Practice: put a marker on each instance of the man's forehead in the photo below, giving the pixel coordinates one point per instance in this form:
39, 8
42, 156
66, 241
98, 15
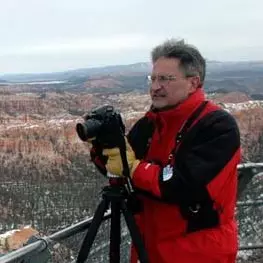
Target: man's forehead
166, 65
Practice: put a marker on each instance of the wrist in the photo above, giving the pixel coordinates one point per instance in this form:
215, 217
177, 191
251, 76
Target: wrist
134, 166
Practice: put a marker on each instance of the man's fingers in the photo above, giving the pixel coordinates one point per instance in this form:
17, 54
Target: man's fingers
111, 152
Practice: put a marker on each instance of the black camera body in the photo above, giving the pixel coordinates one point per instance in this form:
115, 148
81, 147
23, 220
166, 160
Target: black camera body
103, 124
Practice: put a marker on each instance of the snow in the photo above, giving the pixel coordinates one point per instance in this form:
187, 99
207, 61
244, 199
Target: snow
251, 104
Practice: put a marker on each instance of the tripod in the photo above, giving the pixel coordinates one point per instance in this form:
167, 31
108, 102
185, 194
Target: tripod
117, 196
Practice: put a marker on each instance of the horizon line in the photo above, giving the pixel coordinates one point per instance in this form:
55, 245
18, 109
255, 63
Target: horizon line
117, 65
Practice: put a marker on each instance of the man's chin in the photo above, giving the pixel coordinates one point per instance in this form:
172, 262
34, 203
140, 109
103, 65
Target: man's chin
160, 106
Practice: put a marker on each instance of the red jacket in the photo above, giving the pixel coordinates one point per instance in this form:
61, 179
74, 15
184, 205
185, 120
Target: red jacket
203, 178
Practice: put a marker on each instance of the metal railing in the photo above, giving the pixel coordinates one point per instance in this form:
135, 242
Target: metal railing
42, 244
37, 251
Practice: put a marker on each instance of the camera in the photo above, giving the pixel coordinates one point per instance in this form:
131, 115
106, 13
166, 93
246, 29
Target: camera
103, 124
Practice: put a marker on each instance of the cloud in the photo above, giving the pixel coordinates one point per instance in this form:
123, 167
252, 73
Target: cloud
53, 34
99, 44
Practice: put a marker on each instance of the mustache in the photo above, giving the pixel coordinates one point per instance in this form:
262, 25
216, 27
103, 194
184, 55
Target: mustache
158, 94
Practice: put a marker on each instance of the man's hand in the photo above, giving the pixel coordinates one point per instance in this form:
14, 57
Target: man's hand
114, 162
96, 156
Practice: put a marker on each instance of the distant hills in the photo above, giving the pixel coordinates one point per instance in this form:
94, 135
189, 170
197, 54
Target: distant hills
79, 73
221, 76
213, 67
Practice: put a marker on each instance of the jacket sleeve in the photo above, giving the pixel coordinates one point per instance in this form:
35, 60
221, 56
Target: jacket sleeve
139, 136
206, 149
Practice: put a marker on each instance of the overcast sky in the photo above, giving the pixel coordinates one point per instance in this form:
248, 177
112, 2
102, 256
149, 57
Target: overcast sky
56, 35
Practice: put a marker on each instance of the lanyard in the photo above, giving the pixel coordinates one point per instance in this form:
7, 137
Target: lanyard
184, 129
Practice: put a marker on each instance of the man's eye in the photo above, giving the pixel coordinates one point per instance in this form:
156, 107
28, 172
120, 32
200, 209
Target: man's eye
162, 78
151, 78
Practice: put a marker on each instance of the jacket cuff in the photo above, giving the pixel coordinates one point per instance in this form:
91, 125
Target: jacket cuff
146, 177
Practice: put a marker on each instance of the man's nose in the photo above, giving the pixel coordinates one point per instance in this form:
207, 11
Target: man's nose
156, 85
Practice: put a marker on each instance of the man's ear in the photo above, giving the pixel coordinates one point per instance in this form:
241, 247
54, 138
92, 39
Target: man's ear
194, 83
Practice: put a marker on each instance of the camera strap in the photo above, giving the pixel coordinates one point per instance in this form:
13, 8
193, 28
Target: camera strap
186, 126
126, 170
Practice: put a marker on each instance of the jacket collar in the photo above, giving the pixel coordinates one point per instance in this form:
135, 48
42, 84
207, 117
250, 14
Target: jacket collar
180, 112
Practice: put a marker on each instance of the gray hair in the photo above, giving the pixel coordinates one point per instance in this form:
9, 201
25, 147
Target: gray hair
192, 62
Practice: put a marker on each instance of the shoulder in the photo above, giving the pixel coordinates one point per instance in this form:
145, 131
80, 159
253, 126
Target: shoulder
139, 126
139, 136
217, 118
216, 126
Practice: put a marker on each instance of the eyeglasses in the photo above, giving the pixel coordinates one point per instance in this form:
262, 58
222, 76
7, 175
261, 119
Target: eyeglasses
161, 79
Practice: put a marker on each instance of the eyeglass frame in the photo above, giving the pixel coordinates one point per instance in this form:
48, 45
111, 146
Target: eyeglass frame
161, 79
168, 78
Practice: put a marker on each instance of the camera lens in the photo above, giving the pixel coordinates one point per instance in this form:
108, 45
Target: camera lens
82, 131
89, 129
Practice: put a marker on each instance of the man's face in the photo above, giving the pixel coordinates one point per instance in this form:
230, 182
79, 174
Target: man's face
169, 86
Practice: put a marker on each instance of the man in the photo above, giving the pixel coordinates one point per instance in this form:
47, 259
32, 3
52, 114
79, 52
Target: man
183, 157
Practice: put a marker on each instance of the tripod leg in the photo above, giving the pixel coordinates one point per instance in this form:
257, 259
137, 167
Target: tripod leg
135, 234
115, 233
92, 231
